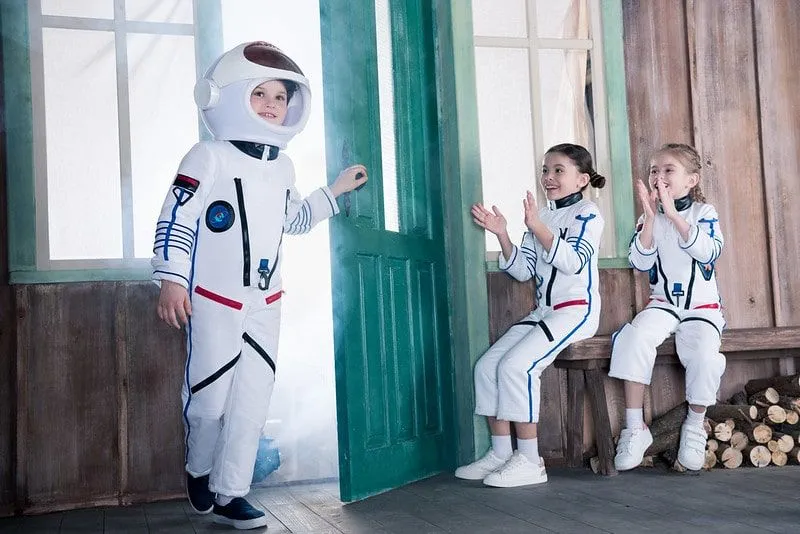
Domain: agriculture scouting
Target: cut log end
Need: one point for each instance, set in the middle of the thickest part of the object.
(739, 440)
(779, 458)
(730, 457)
(759, 455)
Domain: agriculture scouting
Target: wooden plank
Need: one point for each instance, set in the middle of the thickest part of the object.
(574, 424)
(509, 301)
(726, 122)
(69, 395)
(549, 429)
(154, 355)
(777, 29)
(21, 394)
(605, 441)
(655, 57)
(734, 340)
(617, 299)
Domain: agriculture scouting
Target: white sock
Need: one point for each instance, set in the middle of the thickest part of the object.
(634, 418)
(695, 418)
(529, 448)
(501, 446)
(223, 500)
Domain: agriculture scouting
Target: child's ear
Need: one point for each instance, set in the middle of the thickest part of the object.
(694, 179)
(584, 179)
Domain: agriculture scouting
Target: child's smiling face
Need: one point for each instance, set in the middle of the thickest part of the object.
(669, 170)
(270, 101)
(561, 177)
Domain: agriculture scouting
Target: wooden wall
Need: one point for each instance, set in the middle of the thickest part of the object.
(722, 76)
(98, 398)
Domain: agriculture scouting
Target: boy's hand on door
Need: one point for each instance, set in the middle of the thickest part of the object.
(349, 179)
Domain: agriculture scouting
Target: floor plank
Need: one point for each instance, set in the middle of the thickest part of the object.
(738, 501)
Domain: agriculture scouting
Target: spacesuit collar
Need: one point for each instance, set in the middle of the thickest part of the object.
(256, 150)
(681, 204)
(568, 200)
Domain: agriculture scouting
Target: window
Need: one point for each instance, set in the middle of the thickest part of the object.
(539, 84)
(110, 84)
(107, 82)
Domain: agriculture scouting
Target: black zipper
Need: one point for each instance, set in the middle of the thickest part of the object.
(278, 252)
(245, 233)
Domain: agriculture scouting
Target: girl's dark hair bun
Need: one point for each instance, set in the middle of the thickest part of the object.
(596, 180)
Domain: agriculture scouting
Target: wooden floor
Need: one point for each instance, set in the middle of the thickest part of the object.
(746, 500)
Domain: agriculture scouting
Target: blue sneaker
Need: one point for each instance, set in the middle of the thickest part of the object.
(200, 497)
(239, 514)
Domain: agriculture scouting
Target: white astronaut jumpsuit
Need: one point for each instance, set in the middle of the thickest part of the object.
(683, 299)
(508, 375)
(219, 235)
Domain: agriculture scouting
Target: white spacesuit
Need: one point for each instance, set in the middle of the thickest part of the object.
(507, 376)
(219, 235)
(683, 299)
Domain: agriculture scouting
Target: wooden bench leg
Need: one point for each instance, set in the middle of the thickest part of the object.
(575, 394)
(602, 423)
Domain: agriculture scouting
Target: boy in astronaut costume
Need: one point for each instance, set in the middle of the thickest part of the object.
(218, 239)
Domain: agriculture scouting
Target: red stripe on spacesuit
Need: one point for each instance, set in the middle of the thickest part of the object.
(272, 298)
(225, 301)
(560, 305)
(714, 306)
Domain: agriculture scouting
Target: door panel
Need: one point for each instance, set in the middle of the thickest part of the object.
(393, 365)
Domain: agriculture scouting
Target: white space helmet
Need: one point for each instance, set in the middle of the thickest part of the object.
(223, 95)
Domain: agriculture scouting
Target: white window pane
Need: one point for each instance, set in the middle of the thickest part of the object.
(96, 9)
(499, 18)
(83, 179)
(164, 123)
(386, 98)
(506, 138)
(565, 19)
(179, 11)
(566, 116)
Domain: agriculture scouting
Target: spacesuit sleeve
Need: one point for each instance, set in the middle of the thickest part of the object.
(302, 214)
(522, 263)
(570, 252)
(705, 237)
(640, 257)
(177, 225)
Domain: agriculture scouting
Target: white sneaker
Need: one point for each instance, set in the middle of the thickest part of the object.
(633, 442)
(478, 469)
(518, 471)
(692, 450)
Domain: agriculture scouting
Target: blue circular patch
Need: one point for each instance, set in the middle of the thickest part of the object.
(220, 216)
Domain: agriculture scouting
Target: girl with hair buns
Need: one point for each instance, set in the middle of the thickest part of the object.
(559, 252)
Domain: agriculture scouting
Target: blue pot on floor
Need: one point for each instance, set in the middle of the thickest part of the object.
(268, 459)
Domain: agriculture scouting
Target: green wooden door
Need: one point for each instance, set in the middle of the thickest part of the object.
(391, 328)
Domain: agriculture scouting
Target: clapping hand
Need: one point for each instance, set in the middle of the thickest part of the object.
(531, 211)
(647, 199)
(493, 221)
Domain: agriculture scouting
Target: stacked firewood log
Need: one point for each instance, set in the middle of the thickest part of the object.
(756, 427)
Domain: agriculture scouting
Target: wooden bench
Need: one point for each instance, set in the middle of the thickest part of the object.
(586, 363)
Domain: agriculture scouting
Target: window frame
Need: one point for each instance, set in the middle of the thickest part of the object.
(611, 132)
(25, 149)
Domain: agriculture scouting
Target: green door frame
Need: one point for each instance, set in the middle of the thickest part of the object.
(466, 252)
